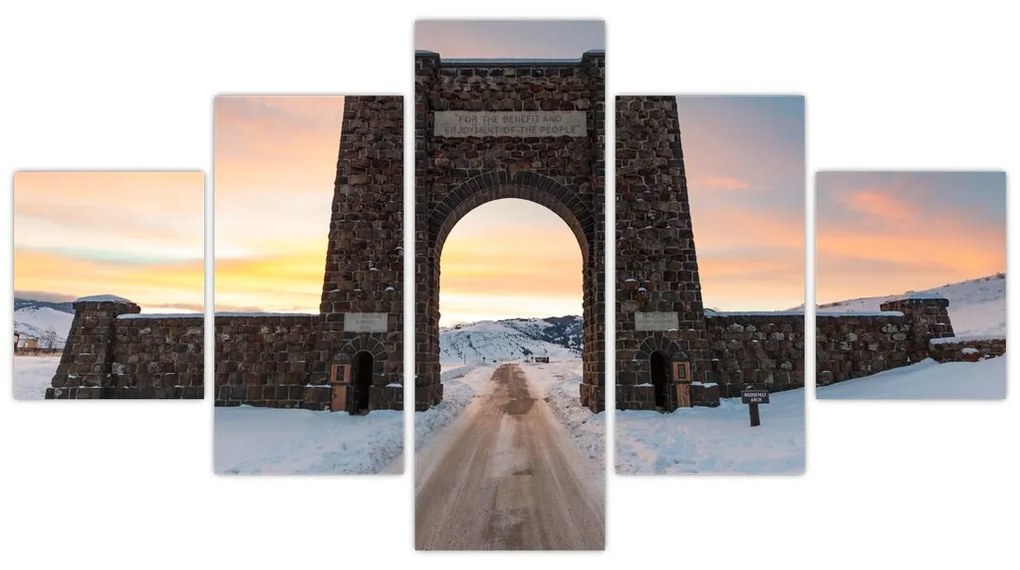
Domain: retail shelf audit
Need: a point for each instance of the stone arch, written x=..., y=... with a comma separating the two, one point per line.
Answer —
x=369, y=386
x=524, y=185
x=565, y=202
x=363, y=343
x=659, y=342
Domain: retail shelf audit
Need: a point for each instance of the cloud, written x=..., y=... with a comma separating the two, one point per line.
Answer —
x=880, y=204
x=721, y=183
x=44, y=296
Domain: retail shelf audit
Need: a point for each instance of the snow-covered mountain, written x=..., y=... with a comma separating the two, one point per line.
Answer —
x=558, y=338
x=976, y=306
x=43, y=319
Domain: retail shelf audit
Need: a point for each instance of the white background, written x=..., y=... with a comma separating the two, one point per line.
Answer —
x=129, y=484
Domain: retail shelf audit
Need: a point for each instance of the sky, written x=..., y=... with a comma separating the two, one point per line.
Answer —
x=884, y=233
x=274, y=167
x=509, y=258
x=744, y=162
x=138, y=235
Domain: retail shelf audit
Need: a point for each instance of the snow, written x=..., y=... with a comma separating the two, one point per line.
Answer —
x=32, y=375
x=714, y=440
x=923, y=296
x=461, y=385
x=255, y=314
x=511, y=340
x=278, y=441
x=928, y=379
x=131, y=316
x=976, y=306
x=966, y=338
x=859, y=313
x=713, y=313
x=103, y=299
x=35, y=322
x=560, y=384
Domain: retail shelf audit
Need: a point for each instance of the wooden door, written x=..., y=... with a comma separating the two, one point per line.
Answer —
x=340, y=381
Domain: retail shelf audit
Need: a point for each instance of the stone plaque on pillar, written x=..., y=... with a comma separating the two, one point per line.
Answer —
x=525, y=124
x=365, y=322
x=656, y=321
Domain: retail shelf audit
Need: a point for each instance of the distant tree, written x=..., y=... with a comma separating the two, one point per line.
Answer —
x=49, y=339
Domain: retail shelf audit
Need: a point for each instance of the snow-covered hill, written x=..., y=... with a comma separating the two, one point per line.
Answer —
x=976, y=307
x=35, y=319
x=559, y=338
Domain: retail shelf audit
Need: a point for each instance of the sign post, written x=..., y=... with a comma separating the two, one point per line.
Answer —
x=752, y=396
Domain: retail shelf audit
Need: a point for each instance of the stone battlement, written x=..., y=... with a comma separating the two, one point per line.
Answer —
x=145, y=356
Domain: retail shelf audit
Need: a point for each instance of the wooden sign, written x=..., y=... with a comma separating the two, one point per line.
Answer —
x=752, y=396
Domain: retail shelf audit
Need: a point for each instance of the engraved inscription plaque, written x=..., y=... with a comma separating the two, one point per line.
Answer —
x=524, y=124
x=365, y=322
x=650, y=321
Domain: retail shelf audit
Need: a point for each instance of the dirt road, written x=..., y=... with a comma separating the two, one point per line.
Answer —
x=504, y=477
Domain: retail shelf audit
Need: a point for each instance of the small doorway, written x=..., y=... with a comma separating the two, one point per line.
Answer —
x=661, y=379
x=362, y=373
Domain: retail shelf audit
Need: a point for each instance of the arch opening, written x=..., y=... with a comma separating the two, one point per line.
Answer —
x=567, y=206
x=661, y=379
x=363, y=364
x=507, y=259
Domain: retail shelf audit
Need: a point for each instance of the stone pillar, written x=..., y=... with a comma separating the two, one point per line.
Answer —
x=85, y=365
x=929, y=318
x=593, y=391
x=656, y=262
x=365, y=255
x=427, y=385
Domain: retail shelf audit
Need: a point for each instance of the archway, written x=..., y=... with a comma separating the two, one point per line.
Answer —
x=362, y=382
x=661, y=379
x=510, y=287
x=444, y=215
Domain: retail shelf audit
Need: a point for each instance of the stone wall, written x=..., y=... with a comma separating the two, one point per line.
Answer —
x=850, y=345
x=756, y=348
x=114, y=352
x=967, y=349
x=282, y=361
x=454, y=175
x=656, y=262
x=269, y=360
x=159, y=356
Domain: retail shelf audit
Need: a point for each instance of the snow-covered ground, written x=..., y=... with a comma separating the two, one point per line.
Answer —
x=982, y=380
x=461, y=385
x=46, y=324
x=511, y=340
x=560, y=384
x=32, y=375
x=714, y=440
x=977, y=308
x=275, y=441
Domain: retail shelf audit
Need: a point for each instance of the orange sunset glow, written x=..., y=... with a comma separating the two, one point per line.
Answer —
x=275, y=162
x=744, y=162
x=137, y=235
x=509, y=258
x=881, y=233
